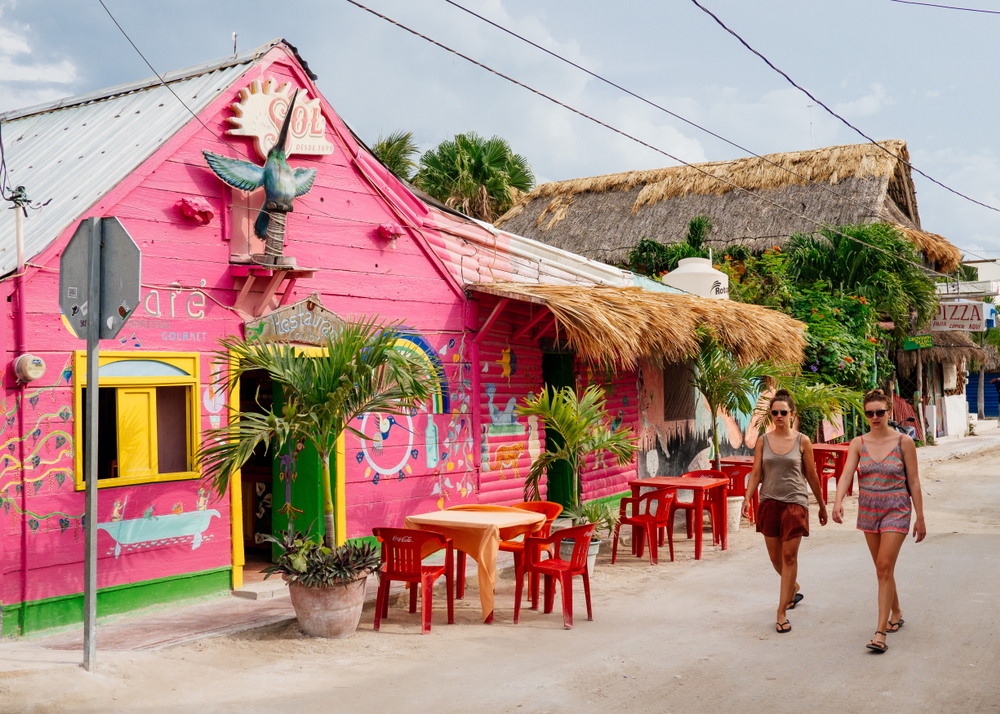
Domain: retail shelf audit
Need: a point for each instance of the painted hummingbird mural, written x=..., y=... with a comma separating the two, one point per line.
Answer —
x=282, y=184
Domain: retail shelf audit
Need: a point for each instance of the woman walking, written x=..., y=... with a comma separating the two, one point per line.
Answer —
x=783, y=463
x=886, y=462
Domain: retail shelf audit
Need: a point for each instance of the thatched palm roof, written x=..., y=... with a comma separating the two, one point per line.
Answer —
x=602, y=217
x=951, y=346
x=623, y=325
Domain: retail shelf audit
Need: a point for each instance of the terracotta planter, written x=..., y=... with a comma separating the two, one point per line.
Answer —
x=329, y=612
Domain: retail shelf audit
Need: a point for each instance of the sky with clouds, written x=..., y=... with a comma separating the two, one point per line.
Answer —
x=896, y=71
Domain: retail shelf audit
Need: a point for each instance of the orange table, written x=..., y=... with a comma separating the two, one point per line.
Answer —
x=716, y=489
x=822, y=453
x=478, y=533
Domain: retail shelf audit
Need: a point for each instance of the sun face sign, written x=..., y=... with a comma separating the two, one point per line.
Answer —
x=260, y=112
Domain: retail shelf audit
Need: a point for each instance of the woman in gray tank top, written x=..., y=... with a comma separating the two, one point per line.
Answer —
x=783, y=463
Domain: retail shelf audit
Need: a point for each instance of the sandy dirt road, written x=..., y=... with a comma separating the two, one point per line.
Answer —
x=684, y=637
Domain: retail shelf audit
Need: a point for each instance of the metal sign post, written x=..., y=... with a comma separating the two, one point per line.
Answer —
x=99, y=288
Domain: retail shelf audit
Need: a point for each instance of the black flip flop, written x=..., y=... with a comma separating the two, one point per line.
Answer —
x=894, y=626
x=781, y=629
x=877, y=647
x=795, y=601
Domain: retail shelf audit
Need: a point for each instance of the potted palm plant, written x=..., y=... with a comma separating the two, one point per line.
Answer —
x=327, y=586
x=359, y=371
x=584, y=424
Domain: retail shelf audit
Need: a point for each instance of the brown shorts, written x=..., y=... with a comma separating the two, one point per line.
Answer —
x=777, y=519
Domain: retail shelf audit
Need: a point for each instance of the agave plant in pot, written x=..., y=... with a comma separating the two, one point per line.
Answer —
x=586, y=428
x=603, y=515
x=327, y=586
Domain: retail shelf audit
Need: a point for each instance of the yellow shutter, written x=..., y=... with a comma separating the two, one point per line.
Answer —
x=136, y=432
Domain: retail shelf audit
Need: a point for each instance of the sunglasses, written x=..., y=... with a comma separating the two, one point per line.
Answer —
x=876, y=413
x=776, y=412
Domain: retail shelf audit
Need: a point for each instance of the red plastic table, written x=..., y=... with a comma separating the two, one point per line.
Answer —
x=716, y=489
x=821, y=454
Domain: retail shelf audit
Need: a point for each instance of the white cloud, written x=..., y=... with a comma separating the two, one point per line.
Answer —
x=871, y=103
x=25, y=79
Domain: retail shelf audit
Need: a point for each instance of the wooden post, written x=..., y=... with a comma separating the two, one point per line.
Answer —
x=918, y=397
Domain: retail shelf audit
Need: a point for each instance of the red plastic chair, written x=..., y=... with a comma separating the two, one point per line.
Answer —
x=738, y=485
x=689, y=507
x=829, y=465
x=551, y=511
x=552, y=568
x=649, y=514
x=402, y=553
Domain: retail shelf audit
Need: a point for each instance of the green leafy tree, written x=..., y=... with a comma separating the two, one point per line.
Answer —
x=879, y=264
x=989, y=341
x=583, y=423
x=652, y=258
x=360, y=371
x=479, y=177
x=726, y=384
x=397, y=151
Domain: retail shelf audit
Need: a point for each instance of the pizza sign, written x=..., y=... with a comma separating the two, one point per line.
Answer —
x=260, y=112
x=963, y=315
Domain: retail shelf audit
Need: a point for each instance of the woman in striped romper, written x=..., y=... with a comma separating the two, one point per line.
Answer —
x=884, y=510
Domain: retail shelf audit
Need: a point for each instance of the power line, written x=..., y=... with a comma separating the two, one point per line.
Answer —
x=947, y=7
x=737, y=187
x=833, y=113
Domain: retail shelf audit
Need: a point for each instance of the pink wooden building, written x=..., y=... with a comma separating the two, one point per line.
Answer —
x=364, y=244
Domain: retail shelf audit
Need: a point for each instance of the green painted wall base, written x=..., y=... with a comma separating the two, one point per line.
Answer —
x=37, y=615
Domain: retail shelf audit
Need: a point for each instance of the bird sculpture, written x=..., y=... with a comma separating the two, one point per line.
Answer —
x=282, y=184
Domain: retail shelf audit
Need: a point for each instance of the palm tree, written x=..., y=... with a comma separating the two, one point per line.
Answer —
x=360, y=372
x=479, y=177
x=650, y=257
x=874, y=262
x=726, y=384
x=989, y=341
x=583, y=424
x=397, y=151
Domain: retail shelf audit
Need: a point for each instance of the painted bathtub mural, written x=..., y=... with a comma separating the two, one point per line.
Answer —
x=150, y=530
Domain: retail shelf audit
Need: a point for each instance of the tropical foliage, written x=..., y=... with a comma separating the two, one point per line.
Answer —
x=309, y=563
x=360, y=371
x=397, y=152
x=726, y=384
x=479, y=177
x=584, y=425
x=652, y=258
x=872, y=261
x=815, y=401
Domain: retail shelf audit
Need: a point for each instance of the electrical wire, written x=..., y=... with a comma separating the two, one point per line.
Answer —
x=763, y=199
x=833, y=113
x=947, y=7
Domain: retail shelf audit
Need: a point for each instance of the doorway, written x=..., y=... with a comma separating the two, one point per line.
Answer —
x=557, y=373
x=257, y=480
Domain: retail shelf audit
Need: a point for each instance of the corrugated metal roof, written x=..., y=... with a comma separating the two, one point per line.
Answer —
x=76, y=150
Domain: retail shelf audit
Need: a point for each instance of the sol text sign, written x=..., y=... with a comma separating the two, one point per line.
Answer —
x=260, y=112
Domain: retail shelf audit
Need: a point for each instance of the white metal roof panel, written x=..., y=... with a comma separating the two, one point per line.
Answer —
x=76, y=150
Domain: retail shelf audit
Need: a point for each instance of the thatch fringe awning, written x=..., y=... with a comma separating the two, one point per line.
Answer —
x=953, y=346
x=626, y=324
x=603, y=217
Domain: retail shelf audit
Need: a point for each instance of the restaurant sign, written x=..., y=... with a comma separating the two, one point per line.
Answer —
x=963, y=315
x=260, y=112
x=918, y=342
x=306, y=323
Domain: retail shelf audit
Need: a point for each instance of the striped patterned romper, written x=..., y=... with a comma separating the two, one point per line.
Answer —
x=883, y=501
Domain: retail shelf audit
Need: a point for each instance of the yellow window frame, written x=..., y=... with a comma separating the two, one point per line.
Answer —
x=143, y=432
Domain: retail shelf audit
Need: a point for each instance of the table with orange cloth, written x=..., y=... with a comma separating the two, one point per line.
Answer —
x=478, y=531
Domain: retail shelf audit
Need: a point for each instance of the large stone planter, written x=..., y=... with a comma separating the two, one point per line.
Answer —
x=329, y=612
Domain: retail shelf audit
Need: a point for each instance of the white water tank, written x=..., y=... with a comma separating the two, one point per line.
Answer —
x=698, y=277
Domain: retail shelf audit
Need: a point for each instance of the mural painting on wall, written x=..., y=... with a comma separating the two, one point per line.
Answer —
x=48, y=461
x=392, y=448
x=149, y=530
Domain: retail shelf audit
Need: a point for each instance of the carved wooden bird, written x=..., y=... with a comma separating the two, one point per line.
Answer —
x=281, y=182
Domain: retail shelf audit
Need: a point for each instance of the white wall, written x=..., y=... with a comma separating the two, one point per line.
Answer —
x=955, y=413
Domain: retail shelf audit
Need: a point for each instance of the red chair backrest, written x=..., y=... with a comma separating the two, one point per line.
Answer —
x=581, y=543
x=549, y=509
x=705, y=473
x=402, y=549
x=658, y=503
